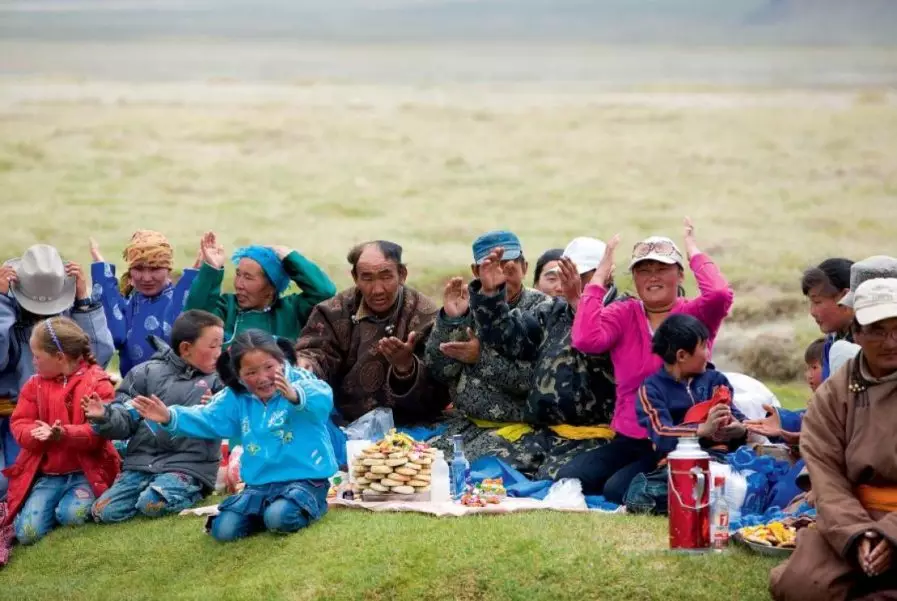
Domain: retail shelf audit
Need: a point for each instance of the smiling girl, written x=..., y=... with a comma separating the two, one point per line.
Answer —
x=280, y=414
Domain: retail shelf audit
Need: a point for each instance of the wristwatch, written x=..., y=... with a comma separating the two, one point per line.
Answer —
x=83, y=303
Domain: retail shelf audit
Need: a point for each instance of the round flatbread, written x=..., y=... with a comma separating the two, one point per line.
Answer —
x=371, y=462
x=381, y=469
x=378, y=487
x=399, y=477
x=390, y=482
x=374, y=455
x=423, y=477
x=426, y=471
x=362, y=481
x=398, y=455
x=396, y=462
x=421, y=489
x=424, y=461
x=372, y=476
x=405, y=471
x=403, y=490
x=418, y=483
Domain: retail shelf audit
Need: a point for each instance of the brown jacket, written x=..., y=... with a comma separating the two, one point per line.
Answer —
x=847, y=439
x=340, y=341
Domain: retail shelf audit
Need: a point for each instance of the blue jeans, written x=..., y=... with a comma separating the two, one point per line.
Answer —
x=153, y=495
x=283, y=507
x=53, y=501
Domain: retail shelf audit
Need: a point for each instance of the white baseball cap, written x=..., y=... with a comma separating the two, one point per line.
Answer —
x=875, y=300
x=586, y=253
x=657, y=248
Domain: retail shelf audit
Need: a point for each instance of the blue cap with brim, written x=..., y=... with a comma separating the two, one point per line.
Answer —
x=489, y=241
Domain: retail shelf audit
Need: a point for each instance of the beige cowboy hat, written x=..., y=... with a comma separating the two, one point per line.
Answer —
x=41, y=286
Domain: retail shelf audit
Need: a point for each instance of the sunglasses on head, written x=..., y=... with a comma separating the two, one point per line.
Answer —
x=663, y=248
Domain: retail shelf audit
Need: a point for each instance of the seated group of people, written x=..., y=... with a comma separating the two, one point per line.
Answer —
x=565, y=379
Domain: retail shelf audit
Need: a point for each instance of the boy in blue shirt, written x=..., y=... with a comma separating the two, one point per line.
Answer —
x=684, y=398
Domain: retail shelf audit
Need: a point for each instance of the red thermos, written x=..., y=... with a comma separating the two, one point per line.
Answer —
x=689, y=496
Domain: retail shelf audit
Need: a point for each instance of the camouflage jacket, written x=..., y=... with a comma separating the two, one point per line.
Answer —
x=496, y=387
x=568, y=387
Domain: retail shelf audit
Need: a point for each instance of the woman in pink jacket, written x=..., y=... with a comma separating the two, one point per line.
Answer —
x=624, y=329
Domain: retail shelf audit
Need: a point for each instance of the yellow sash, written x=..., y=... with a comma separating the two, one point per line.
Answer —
x=512, y=432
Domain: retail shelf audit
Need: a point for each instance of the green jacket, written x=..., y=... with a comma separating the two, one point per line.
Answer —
x=285, y=318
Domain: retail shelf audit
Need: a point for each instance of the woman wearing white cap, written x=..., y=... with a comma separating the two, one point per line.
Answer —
x=624, y=329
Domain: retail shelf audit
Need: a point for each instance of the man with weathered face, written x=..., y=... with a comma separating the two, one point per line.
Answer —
x=367, y=341
x=846, y=440
x=488, y=389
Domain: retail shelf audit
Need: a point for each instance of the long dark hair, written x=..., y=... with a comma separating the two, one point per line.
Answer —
x=249, y=340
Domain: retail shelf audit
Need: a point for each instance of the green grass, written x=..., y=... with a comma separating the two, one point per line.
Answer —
x=359, y=555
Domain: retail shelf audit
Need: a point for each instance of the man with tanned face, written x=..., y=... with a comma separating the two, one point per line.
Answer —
x=368, y=341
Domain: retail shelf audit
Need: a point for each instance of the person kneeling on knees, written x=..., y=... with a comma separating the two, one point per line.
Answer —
x=280, y=414
x=163, y=475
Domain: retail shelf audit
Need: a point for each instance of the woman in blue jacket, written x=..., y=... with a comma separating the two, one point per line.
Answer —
x=142, y=302
x=279, y=414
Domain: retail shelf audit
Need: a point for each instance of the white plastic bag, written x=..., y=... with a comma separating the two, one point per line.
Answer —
x=736, y=487
x=373, y=425
x=750, y=395
x=566, y=494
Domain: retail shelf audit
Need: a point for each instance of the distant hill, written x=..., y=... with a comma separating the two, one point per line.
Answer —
x=700, y=22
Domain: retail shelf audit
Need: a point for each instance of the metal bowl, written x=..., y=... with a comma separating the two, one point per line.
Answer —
x=764, y=549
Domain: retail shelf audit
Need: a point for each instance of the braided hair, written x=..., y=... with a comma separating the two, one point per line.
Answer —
x=63, y=335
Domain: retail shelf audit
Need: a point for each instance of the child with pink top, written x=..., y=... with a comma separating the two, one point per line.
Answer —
x=625, y=329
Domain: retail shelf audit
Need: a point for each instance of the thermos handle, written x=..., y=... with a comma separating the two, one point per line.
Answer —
x=699, y=488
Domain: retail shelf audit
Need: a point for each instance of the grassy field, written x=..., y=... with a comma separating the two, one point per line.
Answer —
x=776, y=178
x=349, y=555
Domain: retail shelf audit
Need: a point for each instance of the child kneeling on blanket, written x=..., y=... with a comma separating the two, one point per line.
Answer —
x=684, y=398
x=162, y=475
x=279, y=413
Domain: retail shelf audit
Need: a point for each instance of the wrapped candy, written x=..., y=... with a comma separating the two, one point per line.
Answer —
x=487, y=492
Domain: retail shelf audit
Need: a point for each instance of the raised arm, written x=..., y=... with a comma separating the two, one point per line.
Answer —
x=514, y=334
x=716, y=297
x=107, y=293
x=597, y=328
x=180, y=293
x=316, y=285
x=7, y=321
x=205, y=291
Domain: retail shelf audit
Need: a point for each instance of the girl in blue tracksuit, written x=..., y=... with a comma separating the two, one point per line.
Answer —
x=279, y=414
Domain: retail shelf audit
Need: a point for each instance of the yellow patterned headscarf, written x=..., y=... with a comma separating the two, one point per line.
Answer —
x=148, y=248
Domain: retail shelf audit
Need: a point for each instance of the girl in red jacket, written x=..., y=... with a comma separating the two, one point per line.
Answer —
x=63, y=466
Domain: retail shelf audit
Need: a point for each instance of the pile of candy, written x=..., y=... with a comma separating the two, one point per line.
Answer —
x=487, y=492
x=395, y=465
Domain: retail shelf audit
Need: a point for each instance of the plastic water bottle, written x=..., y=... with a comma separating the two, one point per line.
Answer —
x=460, y=468
x=440, y=491
x=719, y=515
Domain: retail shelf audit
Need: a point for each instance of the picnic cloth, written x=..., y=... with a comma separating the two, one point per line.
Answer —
x=523, y=495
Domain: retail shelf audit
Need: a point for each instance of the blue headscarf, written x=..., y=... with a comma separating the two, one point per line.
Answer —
x=267, y=259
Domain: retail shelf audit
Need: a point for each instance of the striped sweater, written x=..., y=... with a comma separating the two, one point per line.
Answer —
x=664, y=401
